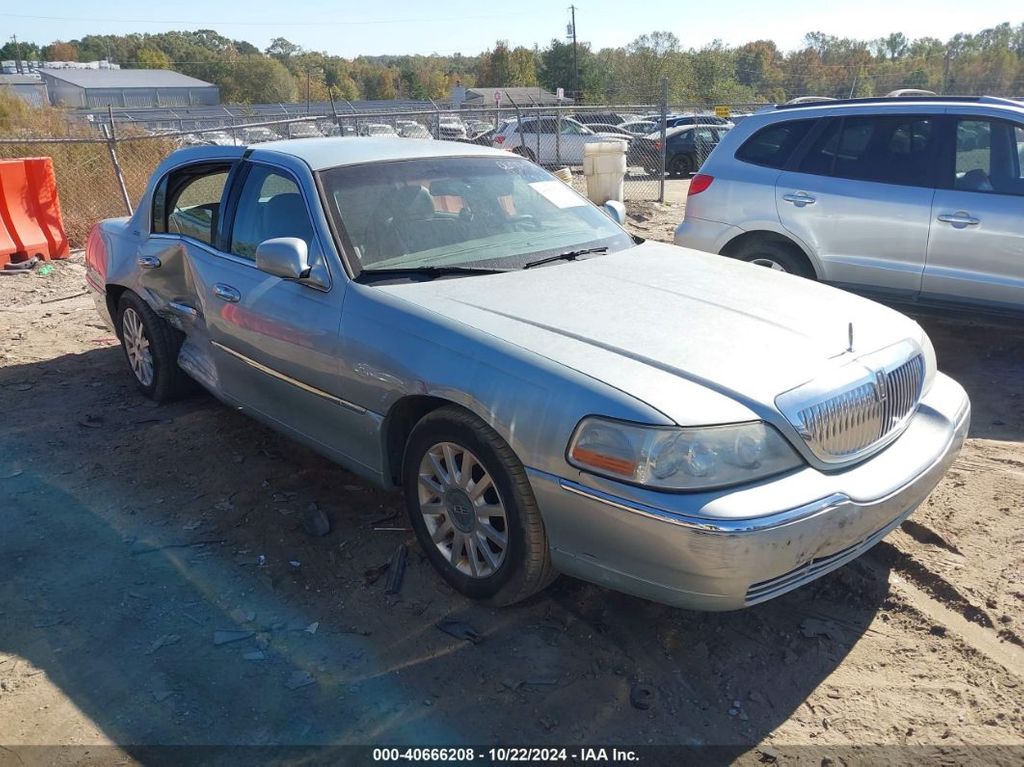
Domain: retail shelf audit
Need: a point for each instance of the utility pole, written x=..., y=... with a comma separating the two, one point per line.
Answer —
x=575, y=59
x=17, y=55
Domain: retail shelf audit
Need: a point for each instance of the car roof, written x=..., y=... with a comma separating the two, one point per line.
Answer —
x=894, y=102
x=321, y=153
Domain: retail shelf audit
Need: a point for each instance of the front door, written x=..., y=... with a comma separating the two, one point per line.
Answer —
x=861, y=197
x=976, y=247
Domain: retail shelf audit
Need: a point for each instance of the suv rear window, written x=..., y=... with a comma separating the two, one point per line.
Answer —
x=773, y=145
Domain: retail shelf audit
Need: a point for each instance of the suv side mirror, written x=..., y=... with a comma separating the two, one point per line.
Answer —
x=286, y=257
x=614, y=209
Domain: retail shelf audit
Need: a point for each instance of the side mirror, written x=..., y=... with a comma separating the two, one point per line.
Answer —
x=286, y=257
x=614, y=209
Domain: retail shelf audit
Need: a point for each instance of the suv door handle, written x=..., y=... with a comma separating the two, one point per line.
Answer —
x=226, y=293
x=148, y=262
x=960, y=219
x=800, y=199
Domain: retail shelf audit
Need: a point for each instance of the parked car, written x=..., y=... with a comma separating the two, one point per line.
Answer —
x=461, y=324
x=686, y=148
x=915, y=199
x=303, y=130
x=598, y=118
x=218, y=138
x=641, y=127
x=376, y=129
x=258, y=135
x=415, y=130
x=615, y=130
x=543, y=142
x=450, y=129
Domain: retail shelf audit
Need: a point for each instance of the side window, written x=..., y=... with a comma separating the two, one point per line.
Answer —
x=187, y=202
x=890, y=150
x=773, y=145
x=270, y=205
x=989, y=157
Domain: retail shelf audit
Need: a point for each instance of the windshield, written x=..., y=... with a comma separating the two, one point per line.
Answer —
x=480, y=212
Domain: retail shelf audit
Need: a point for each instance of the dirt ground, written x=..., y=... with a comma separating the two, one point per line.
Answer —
x=157, y=587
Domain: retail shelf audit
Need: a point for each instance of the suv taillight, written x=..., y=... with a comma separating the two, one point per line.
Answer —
x=699, y=183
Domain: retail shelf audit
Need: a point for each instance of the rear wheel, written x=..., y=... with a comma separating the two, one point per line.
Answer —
x=473, y=509
x=775, y=255
x=151, y=348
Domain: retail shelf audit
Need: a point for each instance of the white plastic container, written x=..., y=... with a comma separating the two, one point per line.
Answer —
x=604, y=166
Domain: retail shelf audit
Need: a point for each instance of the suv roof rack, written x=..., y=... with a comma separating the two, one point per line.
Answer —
x=997, y=100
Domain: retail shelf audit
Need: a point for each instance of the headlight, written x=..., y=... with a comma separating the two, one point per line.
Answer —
x=673, y=458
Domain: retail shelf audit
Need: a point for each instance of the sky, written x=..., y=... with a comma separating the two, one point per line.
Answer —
x=471, y=26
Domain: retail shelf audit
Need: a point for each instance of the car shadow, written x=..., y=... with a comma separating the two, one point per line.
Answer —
x=155, y=569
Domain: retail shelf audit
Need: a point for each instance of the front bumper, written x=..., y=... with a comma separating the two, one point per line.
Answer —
x=735, y=548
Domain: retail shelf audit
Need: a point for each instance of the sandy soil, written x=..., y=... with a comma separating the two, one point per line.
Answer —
x=131, y=535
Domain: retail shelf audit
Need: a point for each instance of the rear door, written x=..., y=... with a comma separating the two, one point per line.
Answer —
x=976, y=246
x=860, y=197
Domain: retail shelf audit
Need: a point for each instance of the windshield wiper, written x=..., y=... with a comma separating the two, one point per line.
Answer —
x=430, y=271
x=569, y=255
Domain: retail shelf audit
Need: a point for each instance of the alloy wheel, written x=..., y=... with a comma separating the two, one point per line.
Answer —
x=136, y=346
x=464, y=515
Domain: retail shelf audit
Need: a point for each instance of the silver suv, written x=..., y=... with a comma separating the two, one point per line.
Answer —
x=912, y=199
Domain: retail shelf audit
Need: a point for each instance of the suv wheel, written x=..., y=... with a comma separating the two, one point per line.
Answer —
x=680, y=166
x=775, y=255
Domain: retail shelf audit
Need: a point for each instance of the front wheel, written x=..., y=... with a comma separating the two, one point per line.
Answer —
x=473, y=510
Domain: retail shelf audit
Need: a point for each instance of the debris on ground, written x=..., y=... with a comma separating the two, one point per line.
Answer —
x=372, y=574
x=459, y=630
x=233, y=635
x=642, y=696
x=315, y=521
x=299, y=678
x=312, y=627
x=396, y=570
x=166, y=639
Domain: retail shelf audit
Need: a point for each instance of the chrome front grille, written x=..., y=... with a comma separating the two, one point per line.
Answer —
x=865, y=413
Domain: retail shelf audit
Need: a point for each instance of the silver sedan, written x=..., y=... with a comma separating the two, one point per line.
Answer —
x=550, y=393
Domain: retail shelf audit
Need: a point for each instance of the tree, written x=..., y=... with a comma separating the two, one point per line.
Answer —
x=151, y=58
x=258, y=80
x=504, y=67
x=282, y=49
x=58, y=50
x=894, y=46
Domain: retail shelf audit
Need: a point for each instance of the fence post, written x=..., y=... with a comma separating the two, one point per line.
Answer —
x=437, y=119
x=111, y=136
x=664, y=144
x=558, y=134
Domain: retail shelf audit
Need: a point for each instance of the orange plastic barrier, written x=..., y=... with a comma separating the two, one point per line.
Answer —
x=30, y=217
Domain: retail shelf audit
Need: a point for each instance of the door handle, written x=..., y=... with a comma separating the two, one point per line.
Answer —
x=960, y=219
x=800, y=199
x=226, y=293
x=148, y=262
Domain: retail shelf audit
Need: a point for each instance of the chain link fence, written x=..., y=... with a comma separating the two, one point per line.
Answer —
x=102, y=167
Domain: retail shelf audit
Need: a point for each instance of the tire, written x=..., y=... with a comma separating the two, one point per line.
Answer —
x=775, y=255
x=501, y=575
x=680, y=166
x=142, y=332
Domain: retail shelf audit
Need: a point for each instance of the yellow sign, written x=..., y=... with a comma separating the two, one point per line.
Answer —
x=723, y=112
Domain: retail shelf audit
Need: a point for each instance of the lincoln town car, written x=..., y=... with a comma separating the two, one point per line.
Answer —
x=550, y=393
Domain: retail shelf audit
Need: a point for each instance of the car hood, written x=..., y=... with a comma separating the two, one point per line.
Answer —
x=632, y=318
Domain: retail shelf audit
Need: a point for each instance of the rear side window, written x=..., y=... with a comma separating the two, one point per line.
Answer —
x=898, y=149
x=187, y=201
x=989, y=157
x=773, y=145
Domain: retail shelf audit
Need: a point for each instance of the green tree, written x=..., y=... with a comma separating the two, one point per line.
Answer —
x=258, y=80
x=151, y=58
